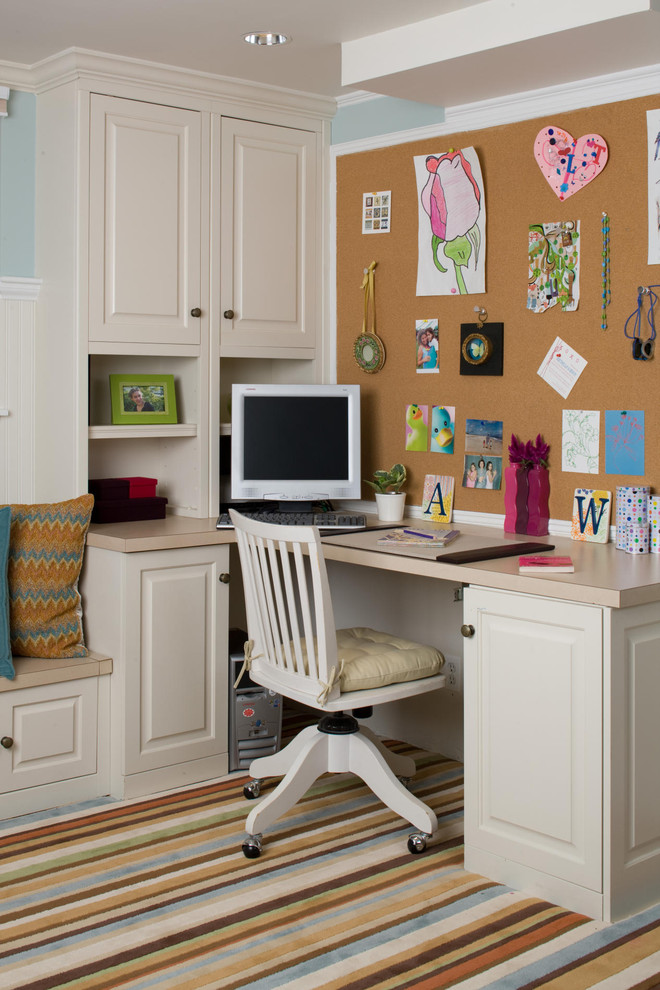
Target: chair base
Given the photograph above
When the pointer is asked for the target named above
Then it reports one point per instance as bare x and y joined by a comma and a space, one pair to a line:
338, 724
315, 752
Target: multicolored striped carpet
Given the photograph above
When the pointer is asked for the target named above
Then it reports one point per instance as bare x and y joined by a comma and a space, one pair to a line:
156, 893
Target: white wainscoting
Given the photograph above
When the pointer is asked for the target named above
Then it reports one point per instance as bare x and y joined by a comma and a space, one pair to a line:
17, 389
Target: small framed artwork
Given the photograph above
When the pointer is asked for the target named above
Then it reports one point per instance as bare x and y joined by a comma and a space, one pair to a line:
142, 399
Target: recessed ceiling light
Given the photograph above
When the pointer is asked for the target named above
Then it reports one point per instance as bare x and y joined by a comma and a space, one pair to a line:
265, 38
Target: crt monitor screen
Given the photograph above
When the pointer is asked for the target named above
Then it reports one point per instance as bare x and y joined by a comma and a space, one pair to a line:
295, 442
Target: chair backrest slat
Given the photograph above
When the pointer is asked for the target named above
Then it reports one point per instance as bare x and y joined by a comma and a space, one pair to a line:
309, 632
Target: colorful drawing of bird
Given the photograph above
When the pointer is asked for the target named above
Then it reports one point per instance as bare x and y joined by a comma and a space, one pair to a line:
442, 431
416, 438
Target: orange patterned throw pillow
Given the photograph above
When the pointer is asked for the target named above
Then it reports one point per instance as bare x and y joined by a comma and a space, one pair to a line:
46, 549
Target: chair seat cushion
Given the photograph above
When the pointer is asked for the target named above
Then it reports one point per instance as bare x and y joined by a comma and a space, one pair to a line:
373, 659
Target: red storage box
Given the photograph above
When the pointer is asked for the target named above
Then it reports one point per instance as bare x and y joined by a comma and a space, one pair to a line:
128, 509
141, 487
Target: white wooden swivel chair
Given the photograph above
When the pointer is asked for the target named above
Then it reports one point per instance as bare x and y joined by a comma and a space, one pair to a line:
294, 649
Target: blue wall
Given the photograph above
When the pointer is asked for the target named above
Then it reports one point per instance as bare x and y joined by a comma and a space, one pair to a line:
382, 115
17, 185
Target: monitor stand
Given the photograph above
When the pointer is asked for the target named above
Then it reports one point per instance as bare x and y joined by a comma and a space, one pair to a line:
291, 505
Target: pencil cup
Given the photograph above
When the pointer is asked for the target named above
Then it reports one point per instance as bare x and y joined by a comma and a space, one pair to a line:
632, 512
654, 523
638, 539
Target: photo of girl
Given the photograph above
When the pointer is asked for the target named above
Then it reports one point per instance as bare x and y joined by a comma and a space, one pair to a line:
426, 333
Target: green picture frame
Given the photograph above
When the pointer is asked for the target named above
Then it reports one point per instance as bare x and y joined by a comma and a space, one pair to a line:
140, 399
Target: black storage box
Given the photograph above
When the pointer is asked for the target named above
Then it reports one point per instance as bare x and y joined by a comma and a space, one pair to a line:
128, 509
109, 488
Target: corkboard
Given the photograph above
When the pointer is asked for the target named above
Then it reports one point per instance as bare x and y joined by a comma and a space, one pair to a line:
517, 195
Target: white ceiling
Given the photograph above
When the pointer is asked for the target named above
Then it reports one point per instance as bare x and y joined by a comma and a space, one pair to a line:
207, 35
443, 52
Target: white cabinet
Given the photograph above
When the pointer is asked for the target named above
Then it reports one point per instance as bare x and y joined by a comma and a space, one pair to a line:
54, 731
632, 750
533, 744
269, 270
161, 195
164, 615
146, 195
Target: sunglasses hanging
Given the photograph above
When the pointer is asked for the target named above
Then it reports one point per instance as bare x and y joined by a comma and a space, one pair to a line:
640, 325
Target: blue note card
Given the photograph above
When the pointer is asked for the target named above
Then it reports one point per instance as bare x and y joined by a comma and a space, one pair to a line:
624, 441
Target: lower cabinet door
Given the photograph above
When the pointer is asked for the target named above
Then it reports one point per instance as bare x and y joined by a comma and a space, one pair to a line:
176, 663
51, 733
533, 733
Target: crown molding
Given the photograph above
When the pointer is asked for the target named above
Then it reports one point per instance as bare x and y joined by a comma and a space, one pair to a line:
359, 96
521, 106
24, 289
16, 76
612, 88
75, 64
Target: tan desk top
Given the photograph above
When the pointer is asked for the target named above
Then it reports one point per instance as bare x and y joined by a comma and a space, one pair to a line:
603, 575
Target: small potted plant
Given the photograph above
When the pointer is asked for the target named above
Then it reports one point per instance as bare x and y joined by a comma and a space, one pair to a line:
390, 500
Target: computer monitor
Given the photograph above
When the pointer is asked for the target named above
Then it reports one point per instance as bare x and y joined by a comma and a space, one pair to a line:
295, 443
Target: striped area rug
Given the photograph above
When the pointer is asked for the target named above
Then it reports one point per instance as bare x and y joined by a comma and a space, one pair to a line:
156, 893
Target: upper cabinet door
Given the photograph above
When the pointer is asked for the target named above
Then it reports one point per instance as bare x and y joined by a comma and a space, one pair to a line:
268, 272
145, 214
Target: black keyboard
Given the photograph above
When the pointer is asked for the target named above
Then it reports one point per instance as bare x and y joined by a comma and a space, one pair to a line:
324, 520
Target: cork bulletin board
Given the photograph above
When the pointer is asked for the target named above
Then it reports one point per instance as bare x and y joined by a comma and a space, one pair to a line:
517, 195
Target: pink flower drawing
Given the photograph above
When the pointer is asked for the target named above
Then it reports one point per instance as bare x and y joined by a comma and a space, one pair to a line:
452, 200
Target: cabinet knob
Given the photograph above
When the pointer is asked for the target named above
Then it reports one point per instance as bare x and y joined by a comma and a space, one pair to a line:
196, 311
6, 742
467, 631
225, 578
228, 314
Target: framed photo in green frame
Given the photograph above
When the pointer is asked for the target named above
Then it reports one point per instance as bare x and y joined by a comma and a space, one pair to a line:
142, 399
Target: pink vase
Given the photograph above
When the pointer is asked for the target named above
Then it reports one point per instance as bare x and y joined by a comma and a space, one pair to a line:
537, 501
515, 498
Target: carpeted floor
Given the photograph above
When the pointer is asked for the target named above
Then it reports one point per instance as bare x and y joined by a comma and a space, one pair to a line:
156, 893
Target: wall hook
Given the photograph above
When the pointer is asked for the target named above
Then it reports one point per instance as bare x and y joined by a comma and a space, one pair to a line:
482, 316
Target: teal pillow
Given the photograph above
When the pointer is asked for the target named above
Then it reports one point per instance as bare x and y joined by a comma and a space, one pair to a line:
6, 665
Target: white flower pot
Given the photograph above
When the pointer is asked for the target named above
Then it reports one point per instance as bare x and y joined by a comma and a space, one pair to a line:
390, 506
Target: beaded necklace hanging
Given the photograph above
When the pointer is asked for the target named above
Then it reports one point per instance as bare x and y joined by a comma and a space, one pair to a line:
605, 275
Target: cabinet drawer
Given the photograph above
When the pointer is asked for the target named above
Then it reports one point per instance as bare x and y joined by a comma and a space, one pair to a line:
54, 733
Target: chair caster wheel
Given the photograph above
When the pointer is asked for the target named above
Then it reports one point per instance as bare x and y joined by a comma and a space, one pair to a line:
252, 790
252, 847
417, 842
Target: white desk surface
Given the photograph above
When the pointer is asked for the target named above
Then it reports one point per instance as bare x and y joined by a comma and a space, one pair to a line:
603, 575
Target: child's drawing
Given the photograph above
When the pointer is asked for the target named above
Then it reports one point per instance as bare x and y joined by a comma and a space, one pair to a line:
580, 440
624, 441
451, 258
653, 159
554, 266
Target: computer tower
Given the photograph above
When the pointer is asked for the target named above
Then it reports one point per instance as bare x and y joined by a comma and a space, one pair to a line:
255, 718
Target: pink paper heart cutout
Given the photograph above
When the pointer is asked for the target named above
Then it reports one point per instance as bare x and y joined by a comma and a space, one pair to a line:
569, 165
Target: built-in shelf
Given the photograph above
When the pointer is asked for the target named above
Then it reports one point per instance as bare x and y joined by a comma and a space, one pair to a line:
149, 430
